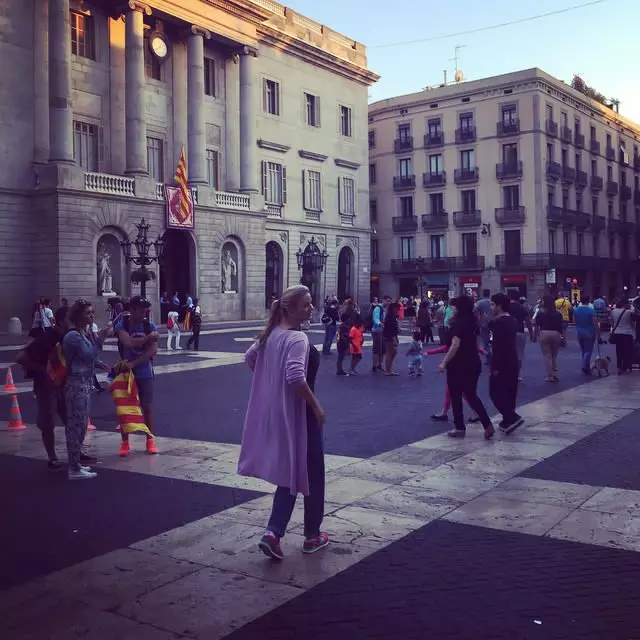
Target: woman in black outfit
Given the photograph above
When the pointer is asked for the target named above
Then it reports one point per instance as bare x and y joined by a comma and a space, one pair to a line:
424, 322
390, 332
463, 366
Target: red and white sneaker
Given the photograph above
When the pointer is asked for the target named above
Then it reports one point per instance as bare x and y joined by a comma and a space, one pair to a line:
270, 546
152, 448
124, 449
311, 545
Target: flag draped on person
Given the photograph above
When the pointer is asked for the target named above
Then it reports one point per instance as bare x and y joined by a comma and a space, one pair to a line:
184, 205
124, 391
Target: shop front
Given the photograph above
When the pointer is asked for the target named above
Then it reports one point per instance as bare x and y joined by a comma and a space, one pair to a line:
436, 285
470, 286
515, 282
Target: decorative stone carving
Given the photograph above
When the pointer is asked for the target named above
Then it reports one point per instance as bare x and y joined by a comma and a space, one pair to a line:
311, 155
284, 236
229, 268
353, 242
346, 164
273, 146
338, 241
105, 276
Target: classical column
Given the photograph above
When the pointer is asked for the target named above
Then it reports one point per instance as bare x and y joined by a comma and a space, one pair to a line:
231, 132
179, 101
248, 168
41, 82
60, 108
195, 89
136, 142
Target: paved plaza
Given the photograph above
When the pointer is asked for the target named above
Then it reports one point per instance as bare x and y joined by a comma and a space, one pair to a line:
533, 535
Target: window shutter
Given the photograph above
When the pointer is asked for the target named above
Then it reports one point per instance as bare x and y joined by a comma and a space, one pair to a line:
264, 96
284, 185
305, 190
101, 153
322, 190
340, 196
355, 197
317, 111
263, 177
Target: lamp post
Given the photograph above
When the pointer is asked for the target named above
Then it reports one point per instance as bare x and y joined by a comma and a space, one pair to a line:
145, 257
310, 262
420, 268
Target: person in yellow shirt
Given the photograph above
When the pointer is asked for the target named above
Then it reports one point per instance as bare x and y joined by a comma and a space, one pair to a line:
563, 306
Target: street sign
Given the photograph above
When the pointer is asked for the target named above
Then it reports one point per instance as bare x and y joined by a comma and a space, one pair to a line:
551, 276
568, 280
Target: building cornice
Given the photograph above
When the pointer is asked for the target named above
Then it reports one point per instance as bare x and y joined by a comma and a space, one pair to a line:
346, 164
310, 155
315, 55
273, 146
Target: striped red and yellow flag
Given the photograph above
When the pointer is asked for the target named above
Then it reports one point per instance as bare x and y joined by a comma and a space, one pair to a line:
184, 210
124, 391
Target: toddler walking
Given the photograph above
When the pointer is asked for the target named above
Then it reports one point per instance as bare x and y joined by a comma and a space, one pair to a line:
356, 335
414, 352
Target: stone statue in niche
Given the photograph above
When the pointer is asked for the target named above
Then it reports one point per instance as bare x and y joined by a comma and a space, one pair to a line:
105, 277
229, 268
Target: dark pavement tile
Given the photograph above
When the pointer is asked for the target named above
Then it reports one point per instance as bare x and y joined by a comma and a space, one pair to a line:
467, 583
50, 523
607, 458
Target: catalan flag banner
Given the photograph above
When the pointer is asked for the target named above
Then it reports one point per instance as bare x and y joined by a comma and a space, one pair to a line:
179, 198
124, 391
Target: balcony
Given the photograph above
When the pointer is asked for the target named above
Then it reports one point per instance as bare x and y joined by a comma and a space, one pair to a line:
612, 188
110, 185
466, 219
405, 223
621, 227
598, 223
469, 263
554, 169
422, 265
522, 261
578, 140
564, 261
508, 128
506, 216
559, 215
431, 180
625, 192
241, 202
552, 128
433, 140
438, 220
596, 183
566, 135
568, 174
466, 176
581, 179
594, 146
468, 134
505, 170
400, 145
636, 197
611, 153
401, 183
582, 220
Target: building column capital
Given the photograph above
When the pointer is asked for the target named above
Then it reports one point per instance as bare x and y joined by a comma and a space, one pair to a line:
135, 5
248, 51
200, 31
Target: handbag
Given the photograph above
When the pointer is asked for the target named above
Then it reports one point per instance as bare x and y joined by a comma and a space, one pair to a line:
613, 338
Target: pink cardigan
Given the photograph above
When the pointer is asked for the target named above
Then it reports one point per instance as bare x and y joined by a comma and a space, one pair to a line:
274, 437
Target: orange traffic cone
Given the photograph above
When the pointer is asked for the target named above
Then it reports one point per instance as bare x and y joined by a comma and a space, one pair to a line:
15, 417
90, 427
9, 385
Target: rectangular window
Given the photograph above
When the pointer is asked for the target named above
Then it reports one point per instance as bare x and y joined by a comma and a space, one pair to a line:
213, 165
578, 162
468, 200
610, 209
509, 115
578, 202
566, 243
437, 246
580, 245
565, 200
406, 207
274, 183
152, 66
312, 190
345, 121
405, 167
549, 111
551, 195
609, 141
372, 139
612, 247
469, 245
435, 164
404, 132
596, 245
312, 107
210, 77
549, 152
85, 145
83, 43
512, 243
593, 132
552, 241
564, 158
435, 128
511, 197
576, 126
407, 248
347, 193
623, 178
271, 97
466, 122
609, 172
564, 120
594, 206
594, 167
155, 159
623, 211
374, 250
436, 203
468, 160
372, 173
510, 154
373, 211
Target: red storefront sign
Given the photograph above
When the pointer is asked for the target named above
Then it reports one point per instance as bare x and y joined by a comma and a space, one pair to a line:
470, 285
513, 279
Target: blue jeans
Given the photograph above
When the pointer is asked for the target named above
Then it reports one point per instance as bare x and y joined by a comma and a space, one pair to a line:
330, 331
586, 342
485, 340
284, 502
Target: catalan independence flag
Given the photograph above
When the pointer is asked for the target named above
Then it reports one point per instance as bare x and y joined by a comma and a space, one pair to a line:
124, 391
184, 209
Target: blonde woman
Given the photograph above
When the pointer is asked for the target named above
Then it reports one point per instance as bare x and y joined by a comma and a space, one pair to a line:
282, 440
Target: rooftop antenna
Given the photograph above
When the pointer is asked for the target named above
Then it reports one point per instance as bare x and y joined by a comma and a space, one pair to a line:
458, 75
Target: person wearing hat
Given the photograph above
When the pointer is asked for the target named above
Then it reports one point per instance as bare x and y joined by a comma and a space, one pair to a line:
139, 337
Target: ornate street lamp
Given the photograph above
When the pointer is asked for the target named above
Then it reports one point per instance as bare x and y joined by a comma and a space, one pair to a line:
145, 255
311, 262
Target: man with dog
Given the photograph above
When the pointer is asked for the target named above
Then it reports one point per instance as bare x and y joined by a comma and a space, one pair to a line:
586, 322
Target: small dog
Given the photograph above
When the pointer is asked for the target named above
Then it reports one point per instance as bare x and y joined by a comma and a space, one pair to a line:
601, 366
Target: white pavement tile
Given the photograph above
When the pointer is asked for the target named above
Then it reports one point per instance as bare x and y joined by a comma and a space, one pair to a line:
454, 484
620, 501
418, 503
347, 490
558, 494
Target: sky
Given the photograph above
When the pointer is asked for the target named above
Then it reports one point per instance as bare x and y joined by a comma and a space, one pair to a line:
598, 42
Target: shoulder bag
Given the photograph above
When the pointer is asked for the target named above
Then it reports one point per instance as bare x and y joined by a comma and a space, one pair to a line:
613, 338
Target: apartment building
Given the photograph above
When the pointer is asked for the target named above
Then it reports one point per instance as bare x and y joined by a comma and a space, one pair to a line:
512, 182
96, 103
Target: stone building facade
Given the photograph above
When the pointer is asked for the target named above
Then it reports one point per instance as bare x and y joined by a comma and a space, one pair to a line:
95, 107
516, 181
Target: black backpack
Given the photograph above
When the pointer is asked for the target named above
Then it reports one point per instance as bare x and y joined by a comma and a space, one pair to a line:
125, 325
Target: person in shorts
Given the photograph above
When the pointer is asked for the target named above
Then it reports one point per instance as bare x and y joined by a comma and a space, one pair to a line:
139, 337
